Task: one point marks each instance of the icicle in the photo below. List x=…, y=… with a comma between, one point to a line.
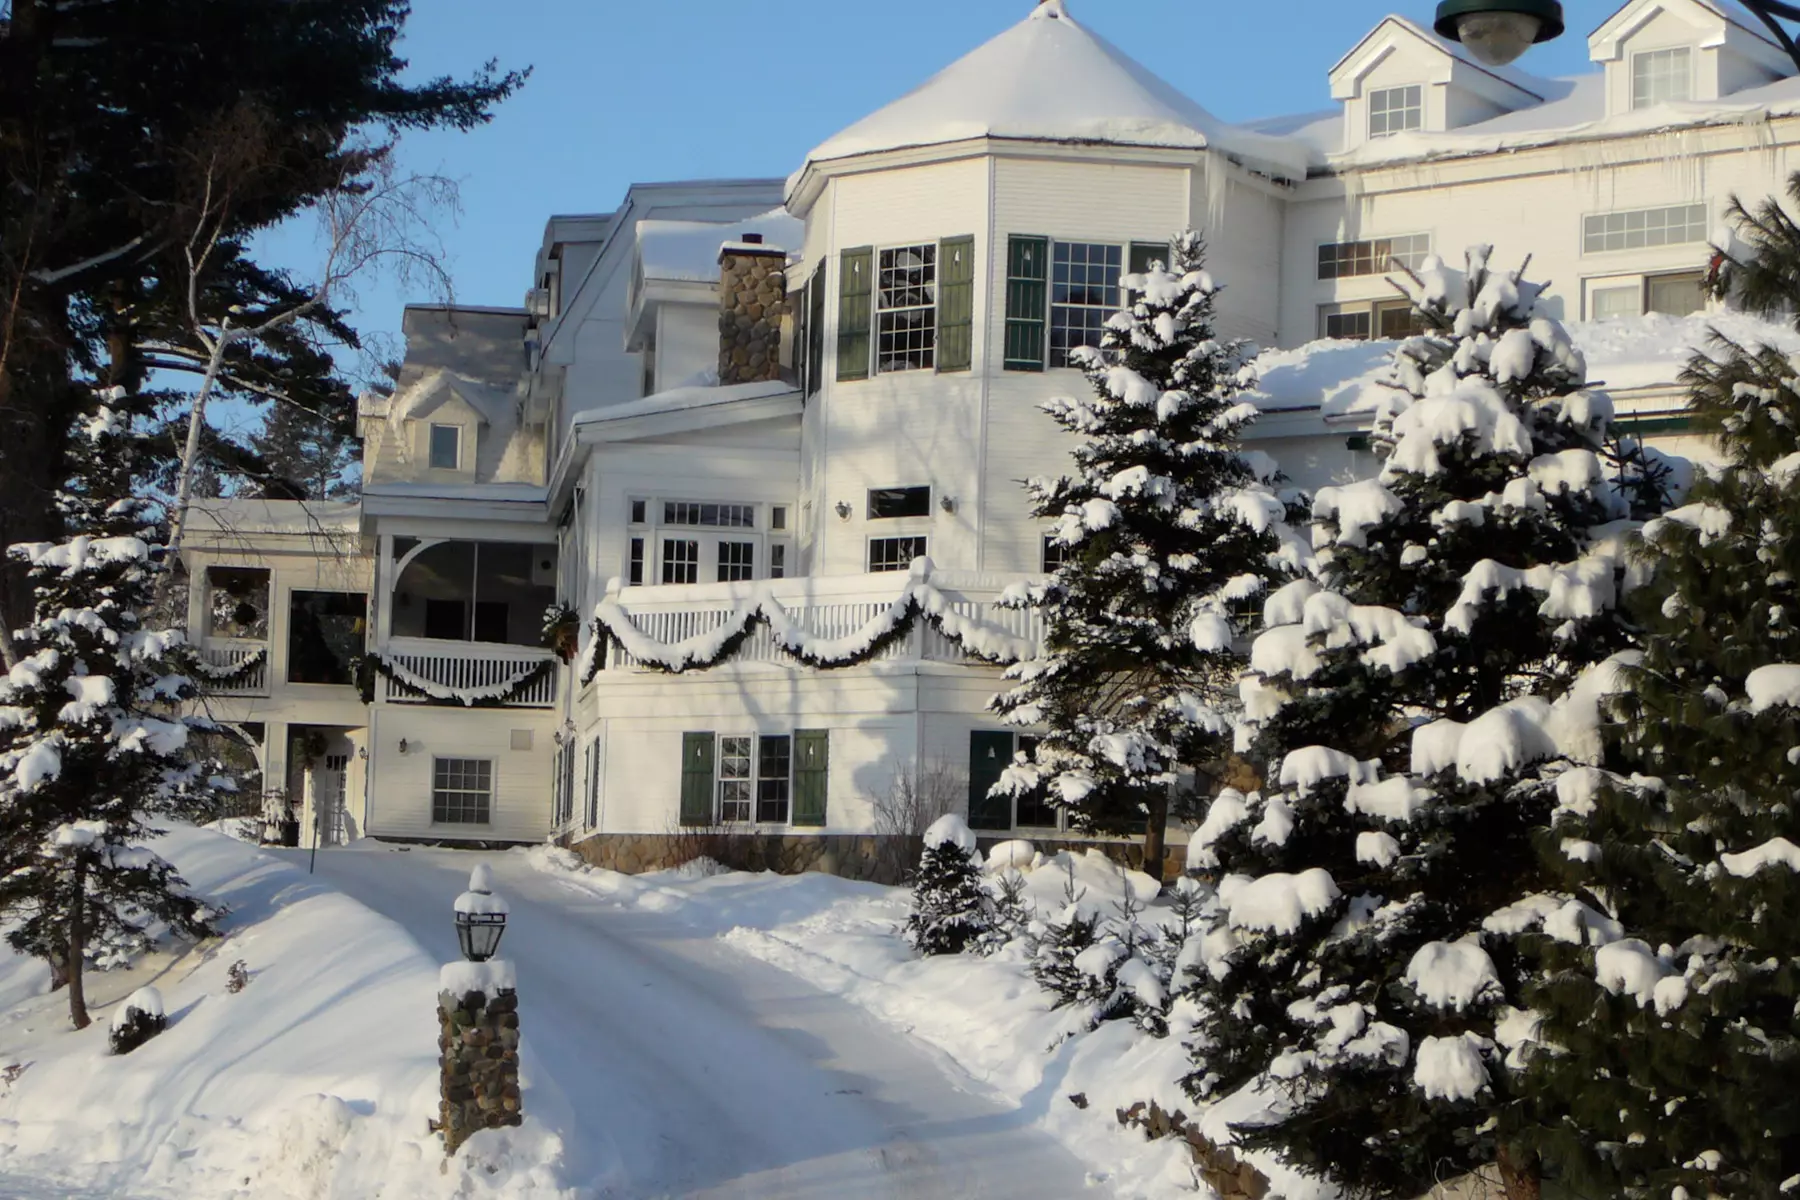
x=1218, y=192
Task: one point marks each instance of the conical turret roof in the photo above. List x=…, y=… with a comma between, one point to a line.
x=1048, y=78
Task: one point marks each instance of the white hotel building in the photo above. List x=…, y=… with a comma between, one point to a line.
x=731, y=415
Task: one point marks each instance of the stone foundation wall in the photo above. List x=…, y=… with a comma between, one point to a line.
x=478, y=1047
x=752, y=302
x=867, y=857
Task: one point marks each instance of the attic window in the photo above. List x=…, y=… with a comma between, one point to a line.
x=1660, y=76
x=446, y=447
x=1396, y=110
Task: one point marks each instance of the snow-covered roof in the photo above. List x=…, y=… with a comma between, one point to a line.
x=1340, y=379
x=1524, y=81
x=682, y=399
x=239, y=516
x=1049, y=78
x=688, y=251
x=1574, y=110
x=428, y=393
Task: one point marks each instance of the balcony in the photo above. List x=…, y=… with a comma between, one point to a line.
x=835, y=616
x=426, y=671
x=234, y=667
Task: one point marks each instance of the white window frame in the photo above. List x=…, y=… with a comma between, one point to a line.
x=655, y=530
x=1411, y=110
x=1373, y=309
x=1638, y=283
x=1650, y=59
x=1407, y=249
x=1094, y=316
x=1611, y=232
x=431, y=446
x=490, y=792
x=923, y=550
x=930, y=495
x=751, y=781
x=912, y=357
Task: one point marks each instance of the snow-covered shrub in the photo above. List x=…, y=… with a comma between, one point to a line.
x=138, y=1019
x=951, y=910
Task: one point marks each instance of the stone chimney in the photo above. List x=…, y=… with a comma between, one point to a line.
x=752, y=302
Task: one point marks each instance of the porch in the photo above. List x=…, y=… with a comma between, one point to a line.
x=924, y=616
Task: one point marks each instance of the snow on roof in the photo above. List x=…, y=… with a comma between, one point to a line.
x=683, y=399
x=499, y=492
x=428, y=393
x=1050, y=79
x=1341, y=379
x=240, y=516
x=1574, y=111
x=688, y=251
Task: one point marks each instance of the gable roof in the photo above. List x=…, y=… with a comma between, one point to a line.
x=1048, y=78
x=1522, y=81
x=436, y=386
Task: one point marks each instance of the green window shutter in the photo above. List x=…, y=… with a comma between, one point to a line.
x=815, y=332
x=956, y=304
x=856, y=303
x=812, y=770
x=990, y=754
x=1027, y=301
x=697, y=778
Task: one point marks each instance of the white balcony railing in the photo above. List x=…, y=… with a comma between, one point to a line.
x=230, y=659
x=838, y=610
x=422, y=671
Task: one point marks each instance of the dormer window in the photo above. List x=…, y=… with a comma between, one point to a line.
x=1396, y=110
x=446, y=447
x=1661, y=76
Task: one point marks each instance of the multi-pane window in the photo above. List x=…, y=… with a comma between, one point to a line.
x=889, y=503
x=894, y=553
x=906, y=309
x=1396, y=110
x=635, y=572
x=446, y=447
x=778, y=561
x=737, y=561
x=680, y=561
x=711, y=516
x=736, y=783
x=774, y=773
x=1643, y=228
x=1659, y=76
x=1084, y=293
x=1055, y=553
x=1347, y=260
x=1676, y=294
x=462, y=791
x=1608, y=303
x=1347, y=323
x=1358, y=322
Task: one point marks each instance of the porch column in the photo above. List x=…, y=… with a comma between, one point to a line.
x=384, y=590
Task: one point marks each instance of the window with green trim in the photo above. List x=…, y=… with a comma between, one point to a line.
x=1060, y=294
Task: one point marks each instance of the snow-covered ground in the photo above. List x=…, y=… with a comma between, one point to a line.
x=315, y=1081
x=686, y=1034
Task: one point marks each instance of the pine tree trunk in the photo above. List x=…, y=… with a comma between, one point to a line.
x=1155, y=833
x=1519, y=1176
x=78, y=1012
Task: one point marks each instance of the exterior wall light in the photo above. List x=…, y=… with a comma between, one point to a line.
x=947, y=503
x=843, y=510
x=1498, y=31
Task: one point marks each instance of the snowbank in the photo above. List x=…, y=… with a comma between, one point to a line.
x=315, y=1082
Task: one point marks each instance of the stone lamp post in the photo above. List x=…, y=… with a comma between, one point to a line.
x=478, y=1022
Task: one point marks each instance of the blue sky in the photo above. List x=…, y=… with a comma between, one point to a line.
x=693, y=89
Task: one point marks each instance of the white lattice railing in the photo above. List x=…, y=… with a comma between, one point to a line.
x=457, y=669
x=230, y=655
x=822, y=608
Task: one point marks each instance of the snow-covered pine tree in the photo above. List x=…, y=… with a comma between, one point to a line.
x=1352, y=974
x=1168, y=529
x=93, y=747
x=1673, y=1004
x=951, y=909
